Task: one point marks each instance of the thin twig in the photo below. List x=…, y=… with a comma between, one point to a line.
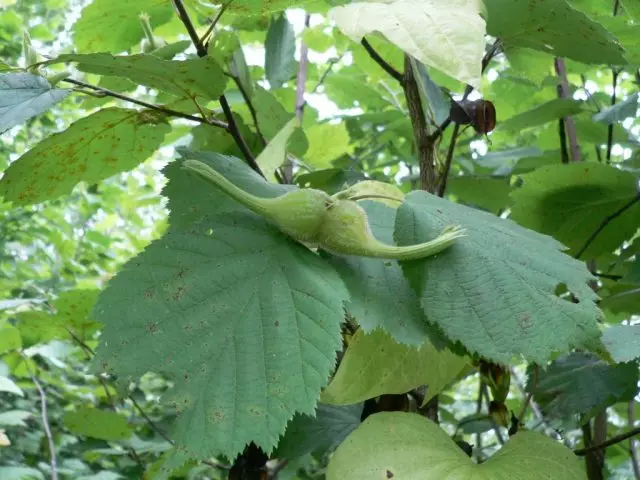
x=486, y=60
x=528, y=398
x=237, y=136
x=478, y=445
x=562, y=133
x=45, y=419
x=214, y=22
x=633, y=450
x=494, y=424
x=614, y=84
x=612, y=441
x=570, y=126
x=252, y=110
x=232, y=127
x=301, y=78
x=606, y=222
x=324, y=75
x=186, y=21
x=158, y=108
x=382, y=62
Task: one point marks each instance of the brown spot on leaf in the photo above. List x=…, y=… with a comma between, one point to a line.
x=390, y=474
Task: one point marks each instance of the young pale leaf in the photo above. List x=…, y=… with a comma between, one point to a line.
x=8, y=385
x=547, y=112
x=495, y=289
x=380, y=294
x=571, y=201
x=580, y=382
x=326, y=143
x=553, y=26
x=623, y=342
x=23, y=95
x=95, y=423
x=410, y=447
x=96, y=147
x=445, y=34
x=198, y=77
x=321, y=433
x=618, y=112
x=274, y=153
x=272, y=117
x=280, y=49
x=114, y=25
x=245, y=321
x=375, y=364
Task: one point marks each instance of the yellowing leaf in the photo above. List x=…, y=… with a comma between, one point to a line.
x=375, y=364
x=274, y=153
x=445, y=34
x=410, y=447
x=326, y=143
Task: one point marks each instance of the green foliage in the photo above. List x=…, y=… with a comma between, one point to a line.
x=408, y=446
x=280, y=49
x=580, y=382
x=273, y=360
x=570, y=201
x=95, y=423
x=495, y=289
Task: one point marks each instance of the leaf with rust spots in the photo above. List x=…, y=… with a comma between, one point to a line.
x=192, y=78
x=86, y=151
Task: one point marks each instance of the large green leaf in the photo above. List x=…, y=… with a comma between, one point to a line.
x=410, y=447
x=114, y=26
x=622, y=342
x=541, y=114
x=580, y=382
x=197, y=77
x=23, y=95
x=245, y=321
x=280, y=49
x=95, y=423
x=495, y=289
x=321, y=433
x=571, y=201
x=445, y=34
x=375, y=364
x=273, y=155
x=380, y=294
x=96, y=147
x=552, y=26
x=618, y=112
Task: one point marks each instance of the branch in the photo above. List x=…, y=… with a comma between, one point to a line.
x=45, y=420
x=633, y=451
x=612, y=441
x=232, y=127
x=528, y=398
x=606, y=222
x=252, y=110
x=563, y=92
x=381, y=61
x=235, y=133
x=150, y=106
x=214, y=22
x=614, y=82
x=425, y=145
x=486, y=59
